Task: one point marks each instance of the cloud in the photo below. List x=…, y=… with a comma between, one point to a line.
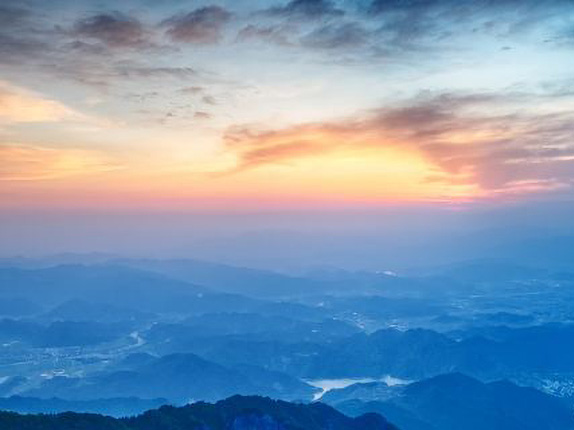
x=136, y=71
x=113, y=29
x=421, y=23
x=202, y=115
x=336, y=36
x=483, y=140
x=103, y=75
x=193, y=90
x=400, y=30
x=455, y=8
x=34, y=163
x=98, y=50
x=385, y=6
x=18, y=105
x=278, y=35
x=21, y=38
x=306, y=9
x=20, y=50
x=319, y=36
x=209, y=100
x=201, y=26
x=11, y=16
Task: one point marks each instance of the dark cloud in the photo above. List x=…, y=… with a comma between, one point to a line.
x=113, y=29
x=336, y=36
x=367, y=31
x=306, y=9
x=201, y=26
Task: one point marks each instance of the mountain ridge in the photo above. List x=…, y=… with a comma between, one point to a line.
x=234, y=413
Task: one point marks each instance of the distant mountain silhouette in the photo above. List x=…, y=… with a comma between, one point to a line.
x=231, y=279
x=458, y=402
x=11, y=307
x=178, y=377
x=118, y=407
x=419, y=353
x=117, y=286
x=81, y=310
x=60, y=333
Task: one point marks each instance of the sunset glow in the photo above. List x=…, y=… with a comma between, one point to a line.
x=254, y=102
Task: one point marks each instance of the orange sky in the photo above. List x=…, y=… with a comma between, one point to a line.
x=110, y=107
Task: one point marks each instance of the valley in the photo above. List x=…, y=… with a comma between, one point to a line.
x=111, y=331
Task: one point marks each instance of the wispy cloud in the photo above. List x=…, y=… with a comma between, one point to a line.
x=336, y=36
x=34, y=163
x=306, y=10
x=274, y=34
x=19, y=105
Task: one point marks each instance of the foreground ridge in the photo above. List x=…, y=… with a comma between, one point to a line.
x=234, y=413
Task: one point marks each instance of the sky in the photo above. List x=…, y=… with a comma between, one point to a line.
x=238, y=116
